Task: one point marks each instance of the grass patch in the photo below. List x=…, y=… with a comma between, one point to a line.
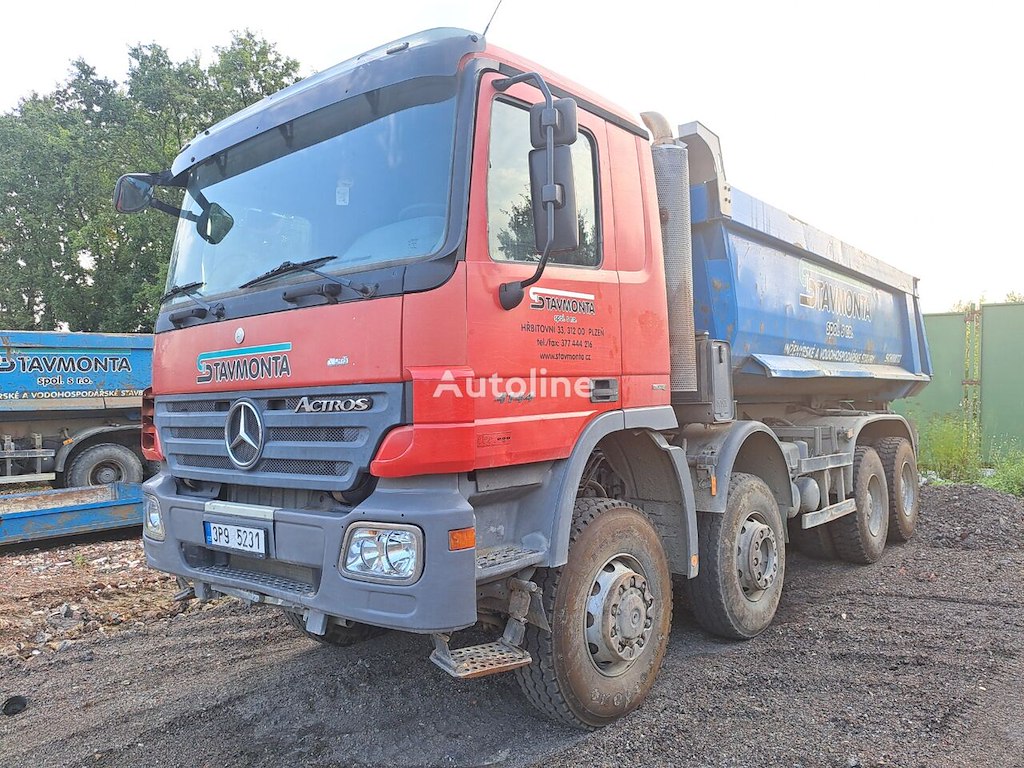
x=1007, y=463
x=949, y=447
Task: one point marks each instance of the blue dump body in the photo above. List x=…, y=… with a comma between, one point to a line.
x=806, y=314
x=72, y=371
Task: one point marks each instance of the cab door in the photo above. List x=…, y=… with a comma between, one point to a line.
x=547, y=367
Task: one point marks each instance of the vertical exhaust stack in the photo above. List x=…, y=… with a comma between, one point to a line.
x=672, y=179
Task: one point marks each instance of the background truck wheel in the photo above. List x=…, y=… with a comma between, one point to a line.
x=814, y=542
x=742, y=561
x=900, y=465
x=860, y=537
x=104, y=463
x=610, y=610
x=336, y=633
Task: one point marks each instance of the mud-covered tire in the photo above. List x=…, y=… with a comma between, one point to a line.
x=568, y=681
x=860, y=536
x=901, y=476
x=724, y=601
x=102, y=464
x=336, y=634
x=814, y=542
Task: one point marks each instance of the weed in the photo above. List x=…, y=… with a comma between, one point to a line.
x=1008, y=469
x=950, y=448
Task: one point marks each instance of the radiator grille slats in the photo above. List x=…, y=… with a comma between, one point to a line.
x=319, y=451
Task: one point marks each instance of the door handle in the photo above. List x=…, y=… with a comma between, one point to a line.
x=604, y=390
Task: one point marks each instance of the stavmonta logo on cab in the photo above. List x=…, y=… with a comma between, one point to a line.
x=267, y=361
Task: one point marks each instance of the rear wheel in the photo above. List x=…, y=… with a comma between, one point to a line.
x=742, y=561
x=860, y=537
x=104, y=463
x=336, y=634
x=900, y=465
x=610, y=610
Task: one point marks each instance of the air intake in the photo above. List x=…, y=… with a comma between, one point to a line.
x=672, y=178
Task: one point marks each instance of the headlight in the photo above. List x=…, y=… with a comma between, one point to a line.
x=383, y=552
x=152, y=520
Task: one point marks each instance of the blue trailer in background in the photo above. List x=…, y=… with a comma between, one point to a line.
x=70, y=415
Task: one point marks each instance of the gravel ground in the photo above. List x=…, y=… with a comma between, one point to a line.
x=917, y=660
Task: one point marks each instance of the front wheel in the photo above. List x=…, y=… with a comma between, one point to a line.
x=742, y=561
x=610, y=611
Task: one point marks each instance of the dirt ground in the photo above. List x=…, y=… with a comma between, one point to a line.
x=917, y=660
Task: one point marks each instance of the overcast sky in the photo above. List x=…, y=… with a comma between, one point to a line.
x=896, y=126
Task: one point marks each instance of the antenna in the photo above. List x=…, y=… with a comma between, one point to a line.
x=492, y=18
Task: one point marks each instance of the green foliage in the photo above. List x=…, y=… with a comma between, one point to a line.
x=66, y=258
x=949, y=447
x=517, y=241
x=1008, y=469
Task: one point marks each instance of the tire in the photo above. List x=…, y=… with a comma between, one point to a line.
x=814, y=542
x=102, y=464
x=900, y=465
x=583, y=673
x=336, y=633
x=860, y=537
x=742, y=561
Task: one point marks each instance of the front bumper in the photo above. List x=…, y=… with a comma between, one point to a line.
x=301, y=568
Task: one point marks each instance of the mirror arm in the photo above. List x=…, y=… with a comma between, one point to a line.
x=171, y=210
x=510, y=295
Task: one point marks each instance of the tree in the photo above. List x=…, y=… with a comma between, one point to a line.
x=516, y=240
x=66, y=258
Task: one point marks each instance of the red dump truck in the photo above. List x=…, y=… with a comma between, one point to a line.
x=450, y=341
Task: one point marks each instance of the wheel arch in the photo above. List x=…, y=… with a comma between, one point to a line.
x=654, y=472
x=873, y=429
x=128, y=435
x=714, y=453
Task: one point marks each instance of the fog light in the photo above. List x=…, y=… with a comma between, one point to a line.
x=383, y=552
x=152, y=520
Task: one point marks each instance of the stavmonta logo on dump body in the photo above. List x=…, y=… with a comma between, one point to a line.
x=269, y=361
x=562, y=301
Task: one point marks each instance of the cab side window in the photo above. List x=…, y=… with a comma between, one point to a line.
x=509, y=213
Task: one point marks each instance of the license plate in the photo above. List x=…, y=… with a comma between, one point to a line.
x=236, y=537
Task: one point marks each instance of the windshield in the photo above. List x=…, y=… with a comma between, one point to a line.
x=366, y=180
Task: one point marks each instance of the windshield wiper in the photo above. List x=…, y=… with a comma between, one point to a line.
x=191, y=290
x=311, y=265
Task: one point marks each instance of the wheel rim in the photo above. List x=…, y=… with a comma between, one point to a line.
x=620, y=615
x=105, y=472
x=874, y=503
x=757, y=556
x=908, y=485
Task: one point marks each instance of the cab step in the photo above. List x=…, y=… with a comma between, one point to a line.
x=478, y=660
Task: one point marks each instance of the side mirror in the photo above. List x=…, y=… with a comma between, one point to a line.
x=214, y=224
x=553, y=127
x=133, y=193
x=562, y=192
x=562, y=117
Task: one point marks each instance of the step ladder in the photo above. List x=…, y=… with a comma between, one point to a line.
x=505, y=653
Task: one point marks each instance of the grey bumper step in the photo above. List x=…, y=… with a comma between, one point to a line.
x=500, y=561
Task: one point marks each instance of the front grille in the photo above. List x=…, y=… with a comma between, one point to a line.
x=319, y=451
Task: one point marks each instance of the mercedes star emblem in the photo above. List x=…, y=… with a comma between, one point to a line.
x=243, y=434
